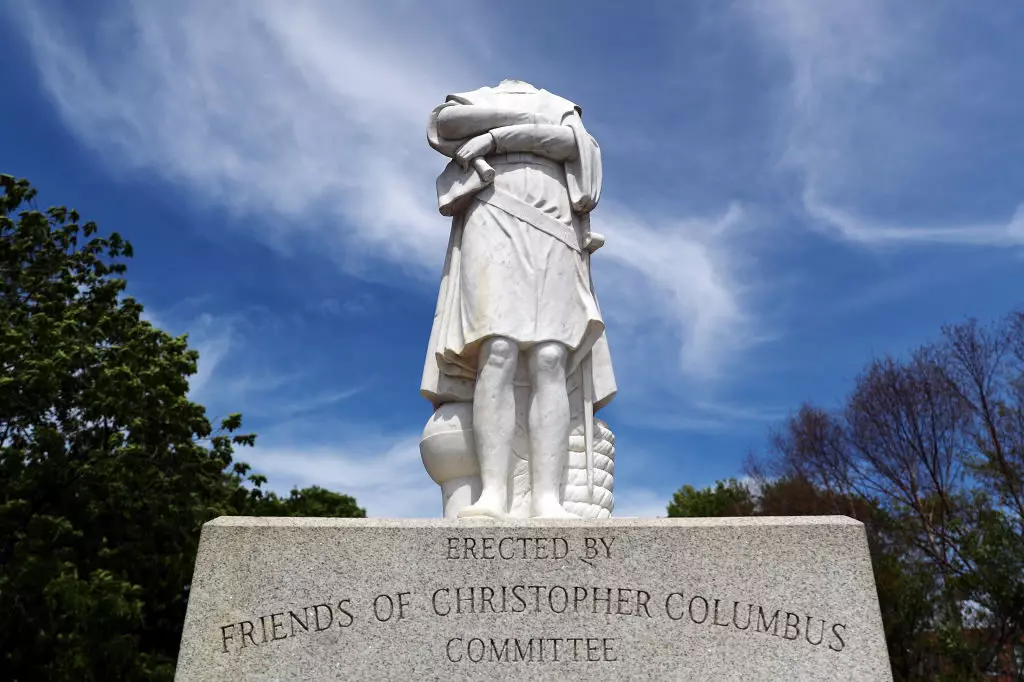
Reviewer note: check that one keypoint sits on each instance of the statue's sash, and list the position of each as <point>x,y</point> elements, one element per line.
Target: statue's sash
<point>530,215</point>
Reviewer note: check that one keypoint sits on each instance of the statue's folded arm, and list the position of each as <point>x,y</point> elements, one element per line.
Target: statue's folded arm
<point>458,122</point>
<point>557,143</point>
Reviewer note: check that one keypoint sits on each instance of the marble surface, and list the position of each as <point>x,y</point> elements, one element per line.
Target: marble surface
<point>517,323</point>
<point>723,599</point>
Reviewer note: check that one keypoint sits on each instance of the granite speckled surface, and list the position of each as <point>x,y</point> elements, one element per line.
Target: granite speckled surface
<point>726,599</point>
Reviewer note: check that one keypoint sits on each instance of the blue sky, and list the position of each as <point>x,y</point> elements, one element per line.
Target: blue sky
<point>791,188</point>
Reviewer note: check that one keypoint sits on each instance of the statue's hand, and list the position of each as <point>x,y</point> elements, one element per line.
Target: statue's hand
<point>481,145</point>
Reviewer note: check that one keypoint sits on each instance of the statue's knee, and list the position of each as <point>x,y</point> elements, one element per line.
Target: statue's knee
<point>548,359</point>
<point>500,353</point>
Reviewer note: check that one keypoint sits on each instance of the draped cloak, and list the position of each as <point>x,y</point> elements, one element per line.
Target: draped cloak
<point>508,278</point>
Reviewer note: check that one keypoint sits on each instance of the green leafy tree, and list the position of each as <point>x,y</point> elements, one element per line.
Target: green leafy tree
<point>312,501</point>
<point>727,498</point>
<point>107,469</point>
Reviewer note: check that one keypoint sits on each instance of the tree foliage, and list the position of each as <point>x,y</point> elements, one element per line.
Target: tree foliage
<point>929,452</point>
<point>727,498</point>
<point>312,501</point>
<point>107,469</point>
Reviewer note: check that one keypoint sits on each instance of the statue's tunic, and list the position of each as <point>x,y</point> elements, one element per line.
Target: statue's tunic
<point>505,277</point>
<point>517,281</point>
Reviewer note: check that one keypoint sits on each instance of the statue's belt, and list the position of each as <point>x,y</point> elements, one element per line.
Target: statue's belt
<point>531,215</point>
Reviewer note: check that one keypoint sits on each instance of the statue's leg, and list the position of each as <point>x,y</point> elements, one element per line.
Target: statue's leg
<point>549,428</point>
<point>494,423</point>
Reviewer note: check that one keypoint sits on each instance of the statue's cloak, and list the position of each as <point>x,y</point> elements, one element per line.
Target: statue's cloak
<point>449,371</point>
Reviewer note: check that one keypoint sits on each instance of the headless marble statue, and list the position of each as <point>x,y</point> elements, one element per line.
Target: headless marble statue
<point>517,326</point>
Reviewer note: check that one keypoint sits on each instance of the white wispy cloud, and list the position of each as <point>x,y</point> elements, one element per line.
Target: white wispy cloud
<point>387,478</point>
<point>641,503</point>
<point>874,231</point>
<point>687,267</point>
<point>261,106</point>
<point>705,417</point>
<point>306,120</point>
<point>312,115</point>
<point>875,106</point>
<point>232,373</point>
<point>385,475</point>
<point>211,335</point>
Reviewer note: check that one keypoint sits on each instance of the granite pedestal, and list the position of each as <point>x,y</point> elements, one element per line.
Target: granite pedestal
<point>724,599</point>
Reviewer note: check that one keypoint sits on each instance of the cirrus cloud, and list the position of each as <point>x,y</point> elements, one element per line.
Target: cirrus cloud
<point>300,115</point>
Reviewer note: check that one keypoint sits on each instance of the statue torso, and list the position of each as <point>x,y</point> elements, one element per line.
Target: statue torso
<point>520,97</point>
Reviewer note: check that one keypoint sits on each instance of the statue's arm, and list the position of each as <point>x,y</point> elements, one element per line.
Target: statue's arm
<point>583,172</point>
<point>460,122</point>
<point>554,142</point>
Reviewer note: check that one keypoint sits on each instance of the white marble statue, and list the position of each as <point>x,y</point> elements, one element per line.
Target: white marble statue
<point>518,361</point>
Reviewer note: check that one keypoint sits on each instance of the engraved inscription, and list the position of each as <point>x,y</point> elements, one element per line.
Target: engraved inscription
<point>533,650</point>
<point>593,550</point>
<point>386,607</point>
<point>452,602</point>
<point>790,625</point>
<point>619,601</point>
<point>514,547</point>
<point>507,548</point>
<point>273,627</point>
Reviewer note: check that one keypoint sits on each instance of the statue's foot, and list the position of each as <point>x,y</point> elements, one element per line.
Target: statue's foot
<point>552,510</point>
<point>487,506</point>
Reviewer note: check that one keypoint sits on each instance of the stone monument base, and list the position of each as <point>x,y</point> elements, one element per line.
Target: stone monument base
<point>785,598</point>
